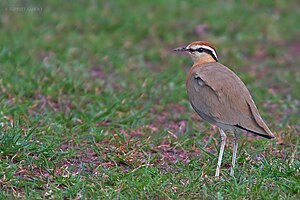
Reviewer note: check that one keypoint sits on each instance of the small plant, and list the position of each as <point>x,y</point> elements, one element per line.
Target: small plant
<point>15,140</point>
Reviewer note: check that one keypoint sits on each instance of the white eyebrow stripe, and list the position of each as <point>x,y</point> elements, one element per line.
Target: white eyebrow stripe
<point>205,47</point>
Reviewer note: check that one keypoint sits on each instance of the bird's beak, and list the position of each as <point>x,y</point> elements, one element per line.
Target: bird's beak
<point>180,49</point>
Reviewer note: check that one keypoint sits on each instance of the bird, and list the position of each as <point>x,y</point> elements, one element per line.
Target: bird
<point>221,98</point>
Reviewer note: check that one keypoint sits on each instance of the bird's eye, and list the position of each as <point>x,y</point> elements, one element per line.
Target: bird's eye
<point>200,50</point>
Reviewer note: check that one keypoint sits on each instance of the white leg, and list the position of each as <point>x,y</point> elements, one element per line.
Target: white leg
<point>235,146</point>
<point>223,141</point>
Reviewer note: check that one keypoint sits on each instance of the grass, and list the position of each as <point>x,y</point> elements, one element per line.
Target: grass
<point>93,101</point>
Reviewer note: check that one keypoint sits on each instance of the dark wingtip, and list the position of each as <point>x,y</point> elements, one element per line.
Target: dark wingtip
<point>256,133</point>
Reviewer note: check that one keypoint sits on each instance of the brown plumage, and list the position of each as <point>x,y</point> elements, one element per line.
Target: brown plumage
<point>220,97</point>
<point>215,91</point>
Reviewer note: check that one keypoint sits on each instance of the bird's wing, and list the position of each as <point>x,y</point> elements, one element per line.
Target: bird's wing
<point>218,95</point>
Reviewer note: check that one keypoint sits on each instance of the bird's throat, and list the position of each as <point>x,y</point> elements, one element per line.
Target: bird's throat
<point>203,59</point>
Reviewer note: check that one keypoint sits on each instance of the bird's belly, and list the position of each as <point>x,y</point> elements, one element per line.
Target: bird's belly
<point>213,121</point>
<point>225,126</point>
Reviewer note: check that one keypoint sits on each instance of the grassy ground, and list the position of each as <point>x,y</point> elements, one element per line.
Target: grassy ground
<point>93,102</point>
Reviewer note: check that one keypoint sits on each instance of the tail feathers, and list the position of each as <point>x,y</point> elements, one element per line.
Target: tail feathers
<point>256,133</point>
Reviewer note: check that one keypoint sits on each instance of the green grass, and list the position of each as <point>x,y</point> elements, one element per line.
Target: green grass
<point>93,100</point>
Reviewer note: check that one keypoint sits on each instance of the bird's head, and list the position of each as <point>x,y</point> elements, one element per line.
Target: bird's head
<point>200,51</point>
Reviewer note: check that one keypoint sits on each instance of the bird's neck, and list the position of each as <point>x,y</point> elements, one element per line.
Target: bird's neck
<point>204,59</point>
<point>198,62</point>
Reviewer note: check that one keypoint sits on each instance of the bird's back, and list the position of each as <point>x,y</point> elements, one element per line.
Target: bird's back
<point>220,97</point>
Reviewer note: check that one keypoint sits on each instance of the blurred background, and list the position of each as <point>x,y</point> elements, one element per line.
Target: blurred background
<point>99,79</point>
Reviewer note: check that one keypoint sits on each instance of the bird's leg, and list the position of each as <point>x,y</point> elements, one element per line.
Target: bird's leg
<point>235,146</point>
<point>223,140</point>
